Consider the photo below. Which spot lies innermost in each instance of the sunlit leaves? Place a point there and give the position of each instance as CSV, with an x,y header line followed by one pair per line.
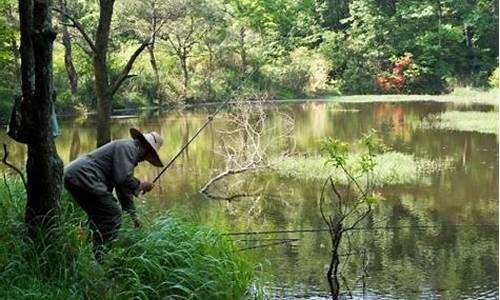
x,y
336,150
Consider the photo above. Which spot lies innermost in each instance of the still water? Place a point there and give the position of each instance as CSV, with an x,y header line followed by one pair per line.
x,y
437,240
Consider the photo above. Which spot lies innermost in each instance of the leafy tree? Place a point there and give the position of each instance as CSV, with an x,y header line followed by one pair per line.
x,y
97,48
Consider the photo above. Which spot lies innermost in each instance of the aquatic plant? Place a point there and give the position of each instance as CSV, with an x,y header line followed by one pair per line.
x,y
475,121
392,168
458,96
170,258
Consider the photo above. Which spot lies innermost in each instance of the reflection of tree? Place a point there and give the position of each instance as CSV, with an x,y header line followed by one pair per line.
x,y
186,136
74,149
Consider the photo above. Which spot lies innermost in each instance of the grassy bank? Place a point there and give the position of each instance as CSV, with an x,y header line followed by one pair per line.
x,y
459,96
168,259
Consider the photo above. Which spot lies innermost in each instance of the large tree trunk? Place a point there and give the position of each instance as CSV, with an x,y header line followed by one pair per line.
x,y
68,58
44,167
101,73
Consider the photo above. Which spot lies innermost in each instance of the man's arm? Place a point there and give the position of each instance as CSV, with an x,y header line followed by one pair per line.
x,y
127,204
124,162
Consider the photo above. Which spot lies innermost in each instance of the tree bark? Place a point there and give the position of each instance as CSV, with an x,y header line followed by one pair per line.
x,y
154,66
243,52
101,72
44,167
185,73
68,58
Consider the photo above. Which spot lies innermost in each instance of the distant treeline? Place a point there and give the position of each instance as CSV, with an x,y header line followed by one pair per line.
x,y
204,50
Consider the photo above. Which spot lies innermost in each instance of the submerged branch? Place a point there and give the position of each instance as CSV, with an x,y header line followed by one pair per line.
x,y
252,166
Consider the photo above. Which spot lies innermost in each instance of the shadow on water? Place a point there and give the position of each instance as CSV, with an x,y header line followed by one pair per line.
x,y
419,254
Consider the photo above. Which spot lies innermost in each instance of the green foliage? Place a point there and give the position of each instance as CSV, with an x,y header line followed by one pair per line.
x,y
168,259
391,168
295,48
337,151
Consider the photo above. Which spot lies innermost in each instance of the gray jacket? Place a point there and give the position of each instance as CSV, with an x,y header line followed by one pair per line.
x,y
110,166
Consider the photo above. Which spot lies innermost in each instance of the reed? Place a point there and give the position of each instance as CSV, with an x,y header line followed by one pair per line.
x,y
170,258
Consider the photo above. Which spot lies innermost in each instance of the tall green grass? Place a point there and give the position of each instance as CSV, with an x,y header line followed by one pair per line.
x,y
170,258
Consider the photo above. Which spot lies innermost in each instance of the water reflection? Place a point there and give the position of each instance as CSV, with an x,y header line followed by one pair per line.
x,y
419,253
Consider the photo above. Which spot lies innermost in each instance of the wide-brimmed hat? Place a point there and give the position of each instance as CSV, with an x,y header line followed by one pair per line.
x,y
152,141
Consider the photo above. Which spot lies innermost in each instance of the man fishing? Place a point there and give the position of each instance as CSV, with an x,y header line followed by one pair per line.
x,y
91,178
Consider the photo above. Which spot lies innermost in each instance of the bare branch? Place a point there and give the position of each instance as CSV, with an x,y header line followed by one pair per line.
x,y
124,74
205,190
74,23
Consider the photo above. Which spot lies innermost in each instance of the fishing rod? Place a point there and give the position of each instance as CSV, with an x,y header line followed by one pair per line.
x,y
209,120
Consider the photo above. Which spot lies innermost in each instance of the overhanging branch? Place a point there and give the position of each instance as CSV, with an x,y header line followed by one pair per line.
x,y
74,23
124,74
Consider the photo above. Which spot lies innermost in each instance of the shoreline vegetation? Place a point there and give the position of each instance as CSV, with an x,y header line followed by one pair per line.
x,y
166,257
461,96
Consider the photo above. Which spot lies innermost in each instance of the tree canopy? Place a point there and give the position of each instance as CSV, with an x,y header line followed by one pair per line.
x,y
202,50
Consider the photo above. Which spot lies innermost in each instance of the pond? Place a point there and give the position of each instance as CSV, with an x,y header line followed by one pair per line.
x,y
435,237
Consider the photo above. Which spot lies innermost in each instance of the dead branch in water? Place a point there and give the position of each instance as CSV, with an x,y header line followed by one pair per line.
x,y
245,145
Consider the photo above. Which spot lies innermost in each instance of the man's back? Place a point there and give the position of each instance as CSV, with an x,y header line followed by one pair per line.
x,y
101,169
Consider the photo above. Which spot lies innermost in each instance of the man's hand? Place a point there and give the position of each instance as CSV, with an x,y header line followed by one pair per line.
x,y
146,186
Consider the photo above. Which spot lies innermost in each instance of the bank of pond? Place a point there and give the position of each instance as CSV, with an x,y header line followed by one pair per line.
x,y
169,257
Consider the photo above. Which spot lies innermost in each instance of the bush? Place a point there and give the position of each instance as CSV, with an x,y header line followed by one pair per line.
x,y
303,72
351,69
169,259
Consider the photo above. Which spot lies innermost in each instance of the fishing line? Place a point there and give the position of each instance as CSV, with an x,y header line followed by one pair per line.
x,y
359,228
209,120
211,117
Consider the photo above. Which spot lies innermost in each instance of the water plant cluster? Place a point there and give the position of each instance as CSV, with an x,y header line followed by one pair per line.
x,y
170,258
476,121
391,168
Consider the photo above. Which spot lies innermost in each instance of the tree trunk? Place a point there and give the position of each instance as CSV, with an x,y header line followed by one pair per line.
x,y
332,274
154,66
243,52
68,58
44,167
101,72
185,74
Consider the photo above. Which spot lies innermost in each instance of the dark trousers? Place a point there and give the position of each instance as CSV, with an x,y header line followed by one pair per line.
x,y
104,215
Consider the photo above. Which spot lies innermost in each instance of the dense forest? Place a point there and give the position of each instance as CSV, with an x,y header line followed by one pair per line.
x,y
190,51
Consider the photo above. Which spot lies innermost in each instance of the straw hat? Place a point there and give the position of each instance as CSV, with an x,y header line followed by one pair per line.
x,y
153,142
